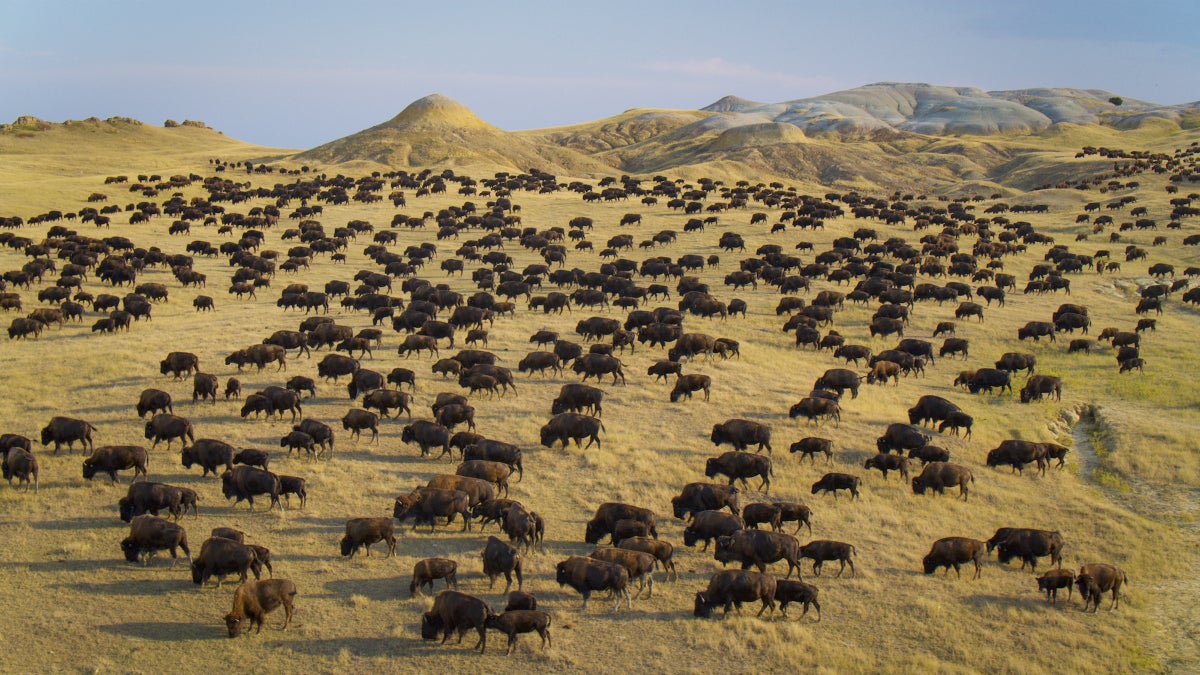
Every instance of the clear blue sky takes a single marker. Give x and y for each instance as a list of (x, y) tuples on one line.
[(298, 74)]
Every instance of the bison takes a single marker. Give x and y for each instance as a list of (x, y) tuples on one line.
[(955, 552)]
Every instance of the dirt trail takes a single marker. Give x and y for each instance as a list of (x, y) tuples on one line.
[(1175, 640)]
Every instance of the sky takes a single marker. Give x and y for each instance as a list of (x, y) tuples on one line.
[(298, 74)]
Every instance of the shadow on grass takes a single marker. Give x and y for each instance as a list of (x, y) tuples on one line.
[(167, 632), (70, 524), (373, 589), (358, 646), (143, 587)]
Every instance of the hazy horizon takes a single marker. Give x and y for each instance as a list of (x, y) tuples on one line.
[(301, 74)]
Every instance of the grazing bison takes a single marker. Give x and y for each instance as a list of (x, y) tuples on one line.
[(931, 409), (1055, 580), (209, 454), (578, 398), (479, 491), (253, 600), (697, 497), (708, 525), (454, 611), (814, 408), (516, 621), (496, 451), (250, 457), (362, 532), (1017, 454), (839, 379), (938, 476), (741, 434), (154, 400), (1013, 361), (832, 482), (885, 462), (740, 466), (759, 548), (685, 385), (639, 565), (220, 557), (492, 472), (901, 437), (1036, 330), (955, 552), (334, 366), (67, 430), (149, 534), (567, 426), (165, 427), (113, 458), (586, 575), (501, 558), (431, 569), (730, 588), (929, 453), (1038, 386), (1028, 545), (244, 482), (179, 364), (1096, 579), (146, 497), (20, 464), (607, 514)]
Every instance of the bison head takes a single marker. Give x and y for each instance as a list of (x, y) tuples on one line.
[(929, 563), (234, 624), (913, 415), (198, 575), (431, 626), (164, 367), (918, 486), (47, 436), (718, 434), (89, 469), (703, 607), (679, 509), (149, 431), (348, 547), (1026, 395), (125, 505), (993, 457), (402, 507), (593, 532), (130, 548), (711, 467)]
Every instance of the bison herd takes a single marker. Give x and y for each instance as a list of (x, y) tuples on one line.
[(428, 317)]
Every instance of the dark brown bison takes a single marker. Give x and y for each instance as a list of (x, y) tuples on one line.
[(1028, 545), (113, 458), (501, 558), (955, 552), (1055, 580), (730, 588), (496, 451), (823, 550), (496, 473), (568, 426), (886, 462), (431, 569), (705, 497), (165, 427), (1095, 579), (516, 621), (454, 611), (938, 476), (362, 532), (579, 398), (154, 400), (759, 548), (149, 534), (245, 482), (901, 437), (587, 575), (741, 434), (661, 550), (357, 419), (740, 466), (607, 515), (427, 434), (708, 525), (67, 430), (810, 446), (20, 464), (1038, 386), (209, 454), (787, 592), (832, 482), (815, 408), (639, 565), (220, 557), (179, 364), (1018, 453), (253, 600)]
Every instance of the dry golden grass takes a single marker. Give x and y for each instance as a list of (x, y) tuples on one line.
[(78, 606)]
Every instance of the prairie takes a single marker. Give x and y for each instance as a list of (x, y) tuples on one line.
[(1128, 494)]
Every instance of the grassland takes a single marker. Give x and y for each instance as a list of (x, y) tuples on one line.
[(73, 603)]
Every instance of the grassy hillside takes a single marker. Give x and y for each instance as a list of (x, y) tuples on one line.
[(1127, 495)]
